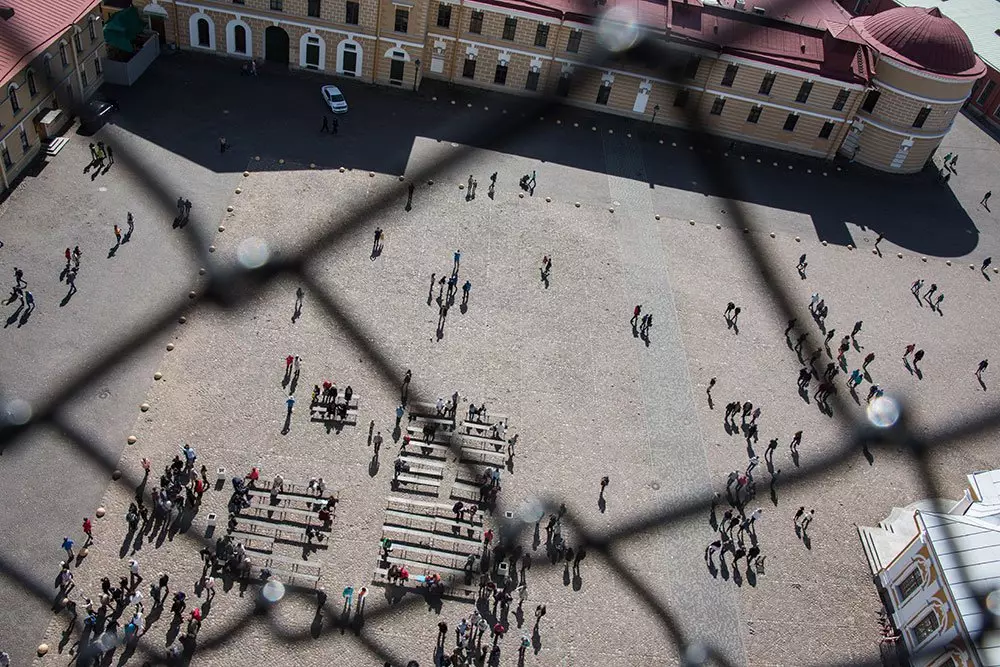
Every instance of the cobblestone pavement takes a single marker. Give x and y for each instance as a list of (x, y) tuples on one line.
[(585, 397)]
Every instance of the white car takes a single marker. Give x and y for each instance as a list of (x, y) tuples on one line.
[(334, 99)]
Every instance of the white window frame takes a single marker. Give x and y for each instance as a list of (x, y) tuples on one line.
[(341, 48), (304, 41), (231, 39), (193, 31)]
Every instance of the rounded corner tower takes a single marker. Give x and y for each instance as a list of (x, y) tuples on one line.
[(924, 68)]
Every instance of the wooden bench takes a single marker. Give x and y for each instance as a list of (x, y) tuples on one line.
[(426, 509), (426, 449), (439, 436), (402, 536), (334, 417), (292, 497), (454, 587), (275, 513), (414, 484), (296, 565), (433, 468), (440, 421), (433, 524), (292, 578), (253, 541), (483, 457), (279, 529), (482, 441)]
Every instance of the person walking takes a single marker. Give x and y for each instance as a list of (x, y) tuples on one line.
[(798, 515), (223, 145), (909, 350), (466, 288), (796, 441), (791, 325), (801, 266), (118, 235), (986, 263), (917, 286), (539, 612), (982, 367), (878, 240), (130, 221), (806, 520), (937, 302), (986, 199), (88, 530), (67, 545), (458, 259), (869, 358), (133, 573), (326, 124), (335, 126), (635, 315), (930, 292), (857, 329), (377, 241)]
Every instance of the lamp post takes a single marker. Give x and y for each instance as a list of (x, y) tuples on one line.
[(656, 107), (416, 69)]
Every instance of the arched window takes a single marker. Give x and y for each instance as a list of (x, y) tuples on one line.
[(240, 39), (12, 93), (312, 52), (349, 57), (204, 33), (62, 53), (201, 29), (32, 86)]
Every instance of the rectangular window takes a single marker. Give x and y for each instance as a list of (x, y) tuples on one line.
[(277, 5), (24, 141), (754, 115), (313, 8), (542, 35), (97, 66), (476, 22), (78, 43), (91, 31), (681, 99), (532, 82), (6, 156), (62, 55), (925, 626), (509, 28), (826, 130), (444, 16), (469, 68), (767, 83), (500, 76), (908, 585), (985, 95), (603, 93), (841, 101), (312, 53), (922, 117), (870, 101), (573, 45), (718, 105), (804, 91), (83, 77), (790, 122), (402, 20), (691, 69), (353, 12), (730, 75)]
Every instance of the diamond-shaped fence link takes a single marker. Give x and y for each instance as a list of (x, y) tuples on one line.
[(228, 286)]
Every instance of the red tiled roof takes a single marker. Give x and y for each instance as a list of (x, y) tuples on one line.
[(36, 25), (921, 38), (804, 41)]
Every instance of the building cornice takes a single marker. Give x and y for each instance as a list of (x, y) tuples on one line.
[(920, 98), (909, 132)]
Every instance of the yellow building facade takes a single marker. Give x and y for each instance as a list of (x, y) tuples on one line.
[(806, 95)]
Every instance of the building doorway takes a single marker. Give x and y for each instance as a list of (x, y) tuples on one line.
[(396, 71), (157, 25), (276, 45)]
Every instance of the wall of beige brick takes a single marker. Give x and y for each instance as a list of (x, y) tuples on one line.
[(878, 148)]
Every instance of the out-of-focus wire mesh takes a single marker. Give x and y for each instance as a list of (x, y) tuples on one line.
[(623, 42)]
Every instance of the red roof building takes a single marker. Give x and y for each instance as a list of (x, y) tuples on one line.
[(36, 24)]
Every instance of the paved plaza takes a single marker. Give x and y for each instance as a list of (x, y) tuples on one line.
[(626, 220)]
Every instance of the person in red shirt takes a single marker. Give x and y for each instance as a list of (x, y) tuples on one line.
[(88, 529)]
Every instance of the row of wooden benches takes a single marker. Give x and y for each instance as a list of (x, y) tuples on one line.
[(468, 440)]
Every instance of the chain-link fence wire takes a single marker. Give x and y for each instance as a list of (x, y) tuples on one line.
[(228, 286)]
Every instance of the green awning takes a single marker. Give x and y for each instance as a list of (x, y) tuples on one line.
[(122, 28)]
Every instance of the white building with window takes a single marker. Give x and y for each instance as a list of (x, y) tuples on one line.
[(934, 563)]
